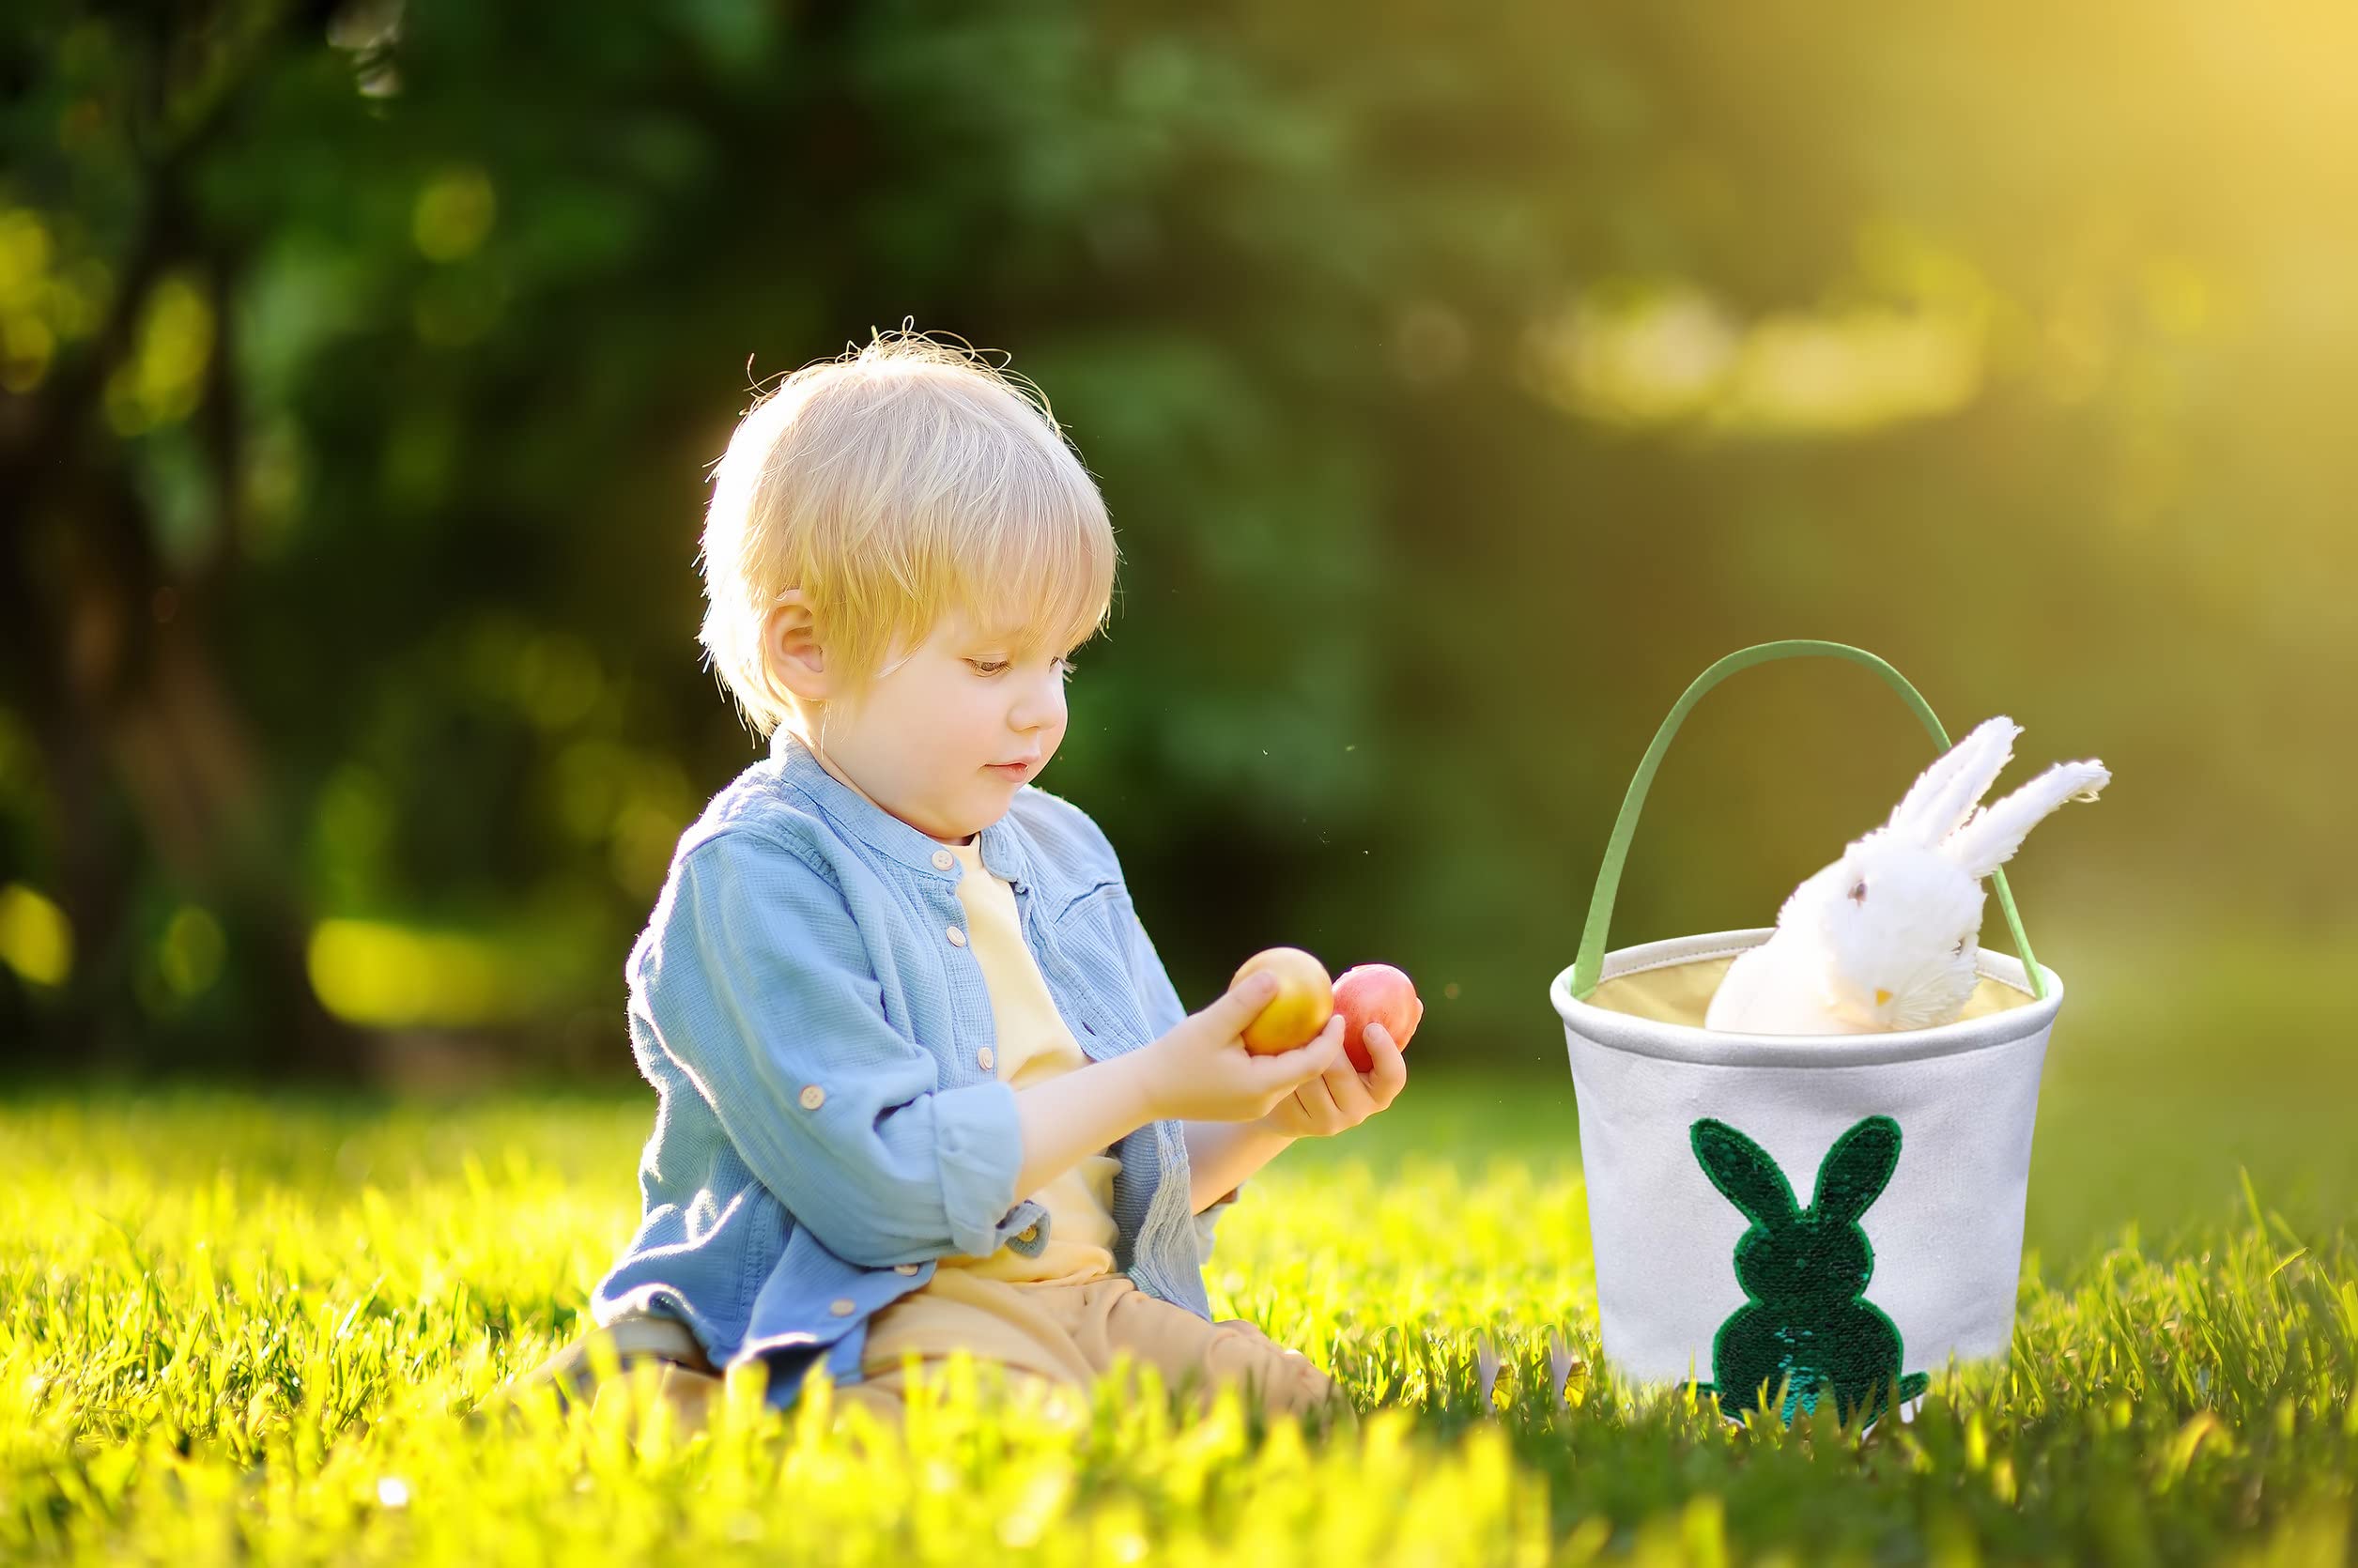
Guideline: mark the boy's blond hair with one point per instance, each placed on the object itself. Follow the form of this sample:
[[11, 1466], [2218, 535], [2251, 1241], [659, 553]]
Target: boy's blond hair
[[899, 481]]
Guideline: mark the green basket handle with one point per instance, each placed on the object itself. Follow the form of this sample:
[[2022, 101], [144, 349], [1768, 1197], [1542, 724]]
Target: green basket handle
[[1590, 965]]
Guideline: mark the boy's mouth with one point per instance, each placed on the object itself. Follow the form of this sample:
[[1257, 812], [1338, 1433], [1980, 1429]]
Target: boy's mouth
[[1015, 770]]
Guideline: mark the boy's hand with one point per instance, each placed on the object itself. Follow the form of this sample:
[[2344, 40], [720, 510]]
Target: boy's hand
[[1344, 1096], [1201, 1070]]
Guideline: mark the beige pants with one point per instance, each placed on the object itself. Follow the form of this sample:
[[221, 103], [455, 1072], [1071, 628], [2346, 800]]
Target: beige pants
[[1056, 1338], [1061, 1338]]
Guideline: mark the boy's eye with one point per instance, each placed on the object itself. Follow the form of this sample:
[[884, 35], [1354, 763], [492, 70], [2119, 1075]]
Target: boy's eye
[[991, 666]]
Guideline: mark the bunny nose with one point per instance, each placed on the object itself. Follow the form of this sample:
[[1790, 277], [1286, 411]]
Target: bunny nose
[[1882, 996]]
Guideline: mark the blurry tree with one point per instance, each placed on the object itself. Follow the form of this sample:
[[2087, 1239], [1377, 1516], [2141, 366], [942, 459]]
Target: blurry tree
[[1462, 380]]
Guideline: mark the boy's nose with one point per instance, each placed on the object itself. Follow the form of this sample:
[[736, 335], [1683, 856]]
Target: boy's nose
[[1031, 720], [1039, 708]]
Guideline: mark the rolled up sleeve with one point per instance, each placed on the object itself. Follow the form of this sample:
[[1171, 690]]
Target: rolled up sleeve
[[1164, 1012], [758, 982]]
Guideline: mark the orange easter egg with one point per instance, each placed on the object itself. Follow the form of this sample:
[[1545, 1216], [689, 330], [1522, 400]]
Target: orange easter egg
[[1303, 1002]]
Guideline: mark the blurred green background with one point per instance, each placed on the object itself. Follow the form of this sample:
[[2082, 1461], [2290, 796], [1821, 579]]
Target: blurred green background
[[1462, 382]]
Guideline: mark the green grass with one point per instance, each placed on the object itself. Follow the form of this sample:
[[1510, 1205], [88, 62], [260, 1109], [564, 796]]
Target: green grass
[[251, 1330]]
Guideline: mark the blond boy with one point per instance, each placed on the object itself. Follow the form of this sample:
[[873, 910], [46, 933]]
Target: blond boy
[[923, 1083]]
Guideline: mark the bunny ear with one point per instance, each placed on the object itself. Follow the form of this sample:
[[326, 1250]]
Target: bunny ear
[[1854, 1172], [1742, 1170], [1942, 797], [1992, 837]]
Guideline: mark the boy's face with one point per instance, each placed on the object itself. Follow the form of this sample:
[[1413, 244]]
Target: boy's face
[[929, 739]]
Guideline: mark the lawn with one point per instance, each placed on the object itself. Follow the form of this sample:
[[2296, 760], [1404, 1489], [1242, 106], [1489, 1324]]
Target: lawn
[[252, 1328]]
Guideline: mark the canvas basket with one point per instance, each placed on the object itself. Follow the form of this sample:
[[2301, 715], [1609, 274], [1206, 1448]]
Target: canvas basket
[[1947, 1112]]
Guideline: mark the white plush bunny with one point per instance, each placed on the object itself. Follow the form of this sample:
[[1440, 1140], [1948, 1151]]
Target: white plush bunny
[[1885, 938]]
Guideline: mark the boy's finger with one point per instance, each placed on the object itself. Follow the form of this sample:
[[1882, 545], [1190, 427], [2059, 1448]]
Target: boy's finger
[[1310, 1058], [1241, 1004], [1388, 1068], [1349, 1089]]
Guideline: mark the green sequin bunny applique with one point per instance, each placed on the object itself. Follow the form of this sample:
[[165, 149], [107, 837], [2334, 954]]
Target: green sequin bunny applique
[[1806, 1324]]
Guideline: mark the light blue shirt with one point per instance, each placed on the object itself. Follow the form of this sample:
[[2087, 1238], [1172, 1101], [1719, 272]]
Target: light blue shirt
[[815, 1030]]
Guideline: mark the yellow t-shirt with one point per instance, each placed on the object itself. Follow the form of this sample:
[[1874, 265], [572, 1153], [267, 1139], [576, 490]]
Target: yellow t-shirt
[[1033, 1043]]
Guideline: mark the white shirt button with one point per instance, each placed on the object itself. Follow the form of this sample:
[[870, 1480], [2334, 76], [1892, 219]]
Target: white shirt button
[[944, 860], [983, 1058], [813, 1097], [905, 1267], [841, 1306], [957, 937]]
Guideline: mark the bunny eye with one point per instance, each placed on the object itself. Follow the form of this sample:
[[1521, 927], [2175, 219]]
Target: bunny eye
[[1859, 894]]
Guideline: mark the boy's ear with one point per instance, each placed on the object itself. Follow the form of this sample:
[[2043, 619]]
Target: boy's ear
[[790, 646]]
